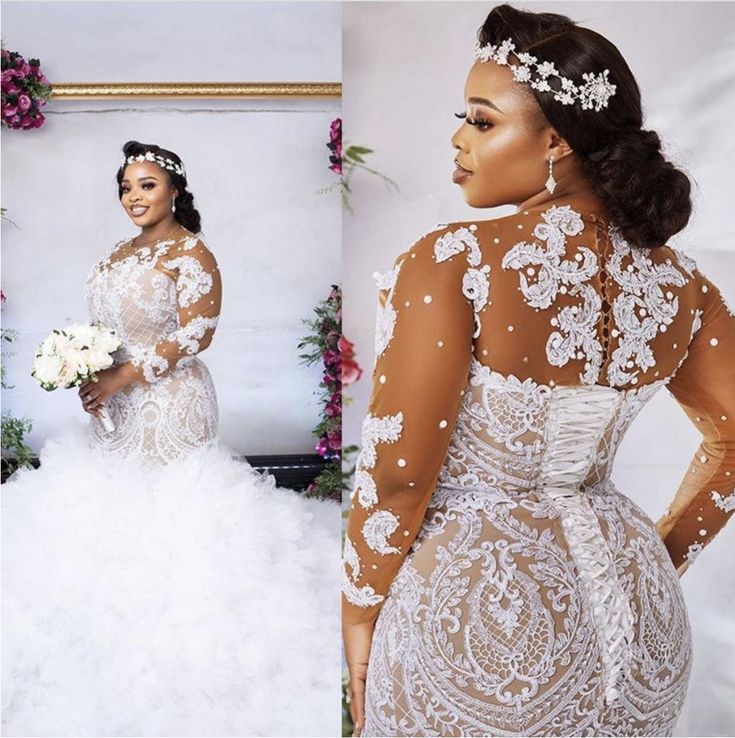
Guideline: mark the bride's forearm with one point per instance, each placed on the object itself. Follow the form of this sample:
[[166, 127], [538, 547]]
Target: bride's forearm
[[129, 373]]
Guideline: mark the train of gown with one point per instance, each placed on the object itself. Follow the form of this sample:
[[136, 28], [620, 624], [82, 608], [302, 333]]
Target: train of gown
[[194, 598]]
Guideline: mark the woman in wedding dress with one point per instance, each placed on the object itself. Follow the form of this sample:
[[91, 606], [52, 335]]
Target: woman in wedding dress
[[152, 584], [495, 580]]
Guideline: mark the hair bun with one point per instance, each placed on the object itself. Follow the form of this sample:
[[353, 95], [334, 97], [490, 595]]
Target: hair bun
[[647, 196]]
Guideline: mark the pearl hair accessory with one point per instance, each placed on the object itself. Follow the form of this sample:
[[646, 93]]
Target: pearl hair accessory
[[595, 91], [162, 161]]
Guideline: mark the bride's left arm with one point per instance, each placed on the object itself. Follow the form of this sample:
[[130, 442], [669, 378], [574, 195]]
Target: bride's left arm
[[199, 298]]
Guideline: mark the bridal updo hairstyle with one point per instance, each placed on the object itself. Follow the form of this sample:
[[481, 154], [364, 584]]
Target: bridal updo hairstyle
[[647, 197], [186, 214]]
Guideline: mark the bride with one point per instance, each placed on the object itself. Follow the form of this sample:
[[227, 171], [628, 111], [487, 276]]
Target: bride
[[497, 582], [151, 584]]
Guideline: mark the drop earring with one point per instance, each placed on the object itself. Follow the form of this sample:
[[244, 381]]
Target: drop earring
[[551, 182], [173, 205]]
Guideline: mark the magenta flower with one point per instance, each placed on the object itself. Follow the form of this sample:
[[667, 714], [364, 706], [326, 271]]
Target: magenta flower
[[331, 357], [334, 406], [24, 91], [334, 440], [321, 447], [335, 146]]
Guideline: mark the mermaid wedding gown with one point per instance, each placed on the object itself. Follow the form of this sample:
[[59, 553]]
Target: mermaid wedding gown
[[151, 584], [515, 591]]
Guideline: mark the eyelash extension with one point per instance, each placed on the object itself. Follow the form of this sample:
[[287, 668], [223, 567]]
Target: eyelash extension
[[481, 123]]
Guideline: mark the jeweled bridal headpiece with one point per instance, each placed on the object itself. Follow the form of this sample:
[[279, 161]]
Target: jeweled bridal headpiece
[[162, 161], [595, 91]]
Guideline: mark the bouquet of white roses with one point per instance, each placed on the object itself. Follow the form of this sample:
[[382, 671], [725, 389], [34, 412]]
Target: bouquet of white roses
[[73, 356]]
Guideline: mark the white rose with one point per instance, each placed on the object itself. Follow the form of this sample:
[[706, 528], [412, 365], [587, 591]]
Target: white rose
[[98, 359], [107, 341], [46, 369], [53, 344], [78, 361], [81, 334], [67, 376]]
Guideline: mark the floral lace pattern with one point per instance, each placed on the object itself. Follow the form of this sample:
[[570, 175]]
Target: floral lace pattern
[[575, 335], [360, 596], [726, 504], [386, 429], [514, 590], [495, 624], [163, 302], [642, 285], [385, 319], [476, 282], [193, 282]]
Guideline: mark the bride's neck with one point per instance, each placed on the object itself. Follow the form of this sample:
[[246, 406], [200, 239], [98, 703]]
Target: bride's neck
[[160, 230]]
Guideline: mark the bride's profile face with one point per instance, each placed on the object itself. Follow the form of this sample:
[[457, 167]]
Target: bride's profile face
[[503, 143], [147, 193]]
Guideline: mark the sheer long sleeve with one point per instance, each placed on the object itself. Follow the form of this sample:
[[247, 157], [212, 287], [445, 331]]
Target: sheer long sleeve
[[423, 347], [704, 386], [199, 299]]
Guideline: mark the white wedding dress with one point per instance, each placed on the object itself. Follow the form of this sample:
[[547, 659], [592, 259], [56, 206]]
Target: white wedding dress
[[515, 590], [152, 584]]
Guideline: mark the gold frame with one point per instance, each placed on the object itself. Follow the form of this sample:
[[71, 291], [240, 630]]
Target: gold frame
[[188, 90]]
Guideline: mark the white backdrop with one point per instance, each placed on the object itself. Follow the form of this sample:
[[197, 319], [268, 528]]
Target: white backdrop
[[254, 168], [404, 70]]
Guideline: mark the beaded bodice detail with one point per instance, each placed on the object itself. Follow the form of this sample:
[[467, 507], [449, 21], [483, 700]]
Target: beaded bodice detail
[[163, 300], [515, 589]]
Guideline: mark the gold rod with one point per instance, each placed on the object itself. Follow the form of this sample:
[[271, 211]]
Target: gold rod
[[181, 90]]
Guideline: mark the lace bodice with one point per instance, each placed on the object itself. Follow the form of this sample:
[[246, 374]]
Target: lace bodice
[[511, 357], [163, 300]]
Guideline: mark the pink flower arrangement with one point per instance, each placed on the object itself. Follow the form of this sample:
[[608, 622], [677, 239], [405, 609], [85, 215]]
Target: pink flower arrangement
[[335, 146], [25, 91], [351, 370]]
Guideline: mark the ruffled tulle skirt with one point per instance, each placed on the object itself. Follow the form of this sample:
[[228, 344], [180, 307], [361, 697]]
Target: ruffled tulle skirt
[[190, 599]]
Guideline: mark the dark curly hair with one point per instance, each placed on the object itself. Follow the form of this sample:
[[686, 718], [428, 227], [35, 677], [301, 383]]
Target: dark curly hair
[[186, 213], [647, 197]]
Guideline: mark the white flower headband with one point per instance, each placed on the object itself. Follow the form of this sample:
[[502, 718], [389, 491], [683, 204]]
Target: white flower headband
[[162, 161], [595, 91]]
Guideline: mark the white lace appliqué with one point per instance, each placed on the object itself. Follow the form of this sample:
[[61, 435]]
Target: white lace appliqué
[[154, 365], [175, 409], [385, 319], [536, 599], [574, 337], [188, 336], [726, 504], [641, 310], [693, 552], [376, 530], [361, 596], [475, 282], [193, 281], [685, 262], [375, 429]]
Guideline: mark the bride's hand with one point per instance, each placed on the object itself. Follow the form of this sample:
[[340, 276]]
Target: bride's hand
[[109, 381], [357, 640]]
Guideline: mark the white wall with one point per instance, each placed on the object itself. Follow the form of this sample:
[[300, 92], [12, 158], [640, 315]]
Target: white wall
[[253, 166], [404, 69]]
